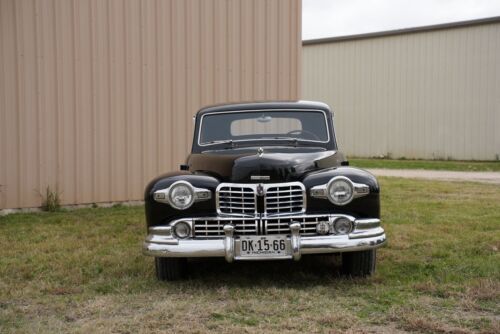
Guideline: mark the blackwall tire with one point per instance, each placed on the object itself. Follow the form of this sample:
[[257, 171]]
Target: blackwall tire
[[359, 264], [170, 269]]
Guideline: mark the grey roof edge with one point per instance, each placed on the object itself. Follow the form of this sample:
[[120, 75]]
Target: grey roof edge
[[272, 104], [450, 25]]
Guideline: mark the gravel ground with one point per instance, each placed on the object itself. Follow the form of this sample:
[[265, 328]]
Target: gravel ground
[[482, 177]]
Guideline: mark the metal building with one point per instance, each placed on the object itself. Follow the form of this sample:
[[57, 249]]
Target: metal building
[[430, 92], [97, 97]]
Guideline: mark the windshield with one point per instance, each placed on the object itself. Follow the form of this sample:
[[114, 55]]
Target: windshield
[[263, 125]]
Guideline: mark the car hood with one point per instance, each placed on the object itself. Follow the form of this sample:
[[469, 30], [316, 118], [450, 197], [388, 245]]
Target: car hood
[[264, 167]]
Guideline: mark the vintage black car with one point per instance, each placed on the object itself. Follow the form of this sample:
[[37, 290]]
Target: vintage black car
[[264, 181]]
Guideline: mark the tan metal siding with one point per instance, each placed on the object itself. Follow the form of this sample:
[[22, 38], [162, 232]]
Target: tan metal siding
[[431, 94], [97, 97]]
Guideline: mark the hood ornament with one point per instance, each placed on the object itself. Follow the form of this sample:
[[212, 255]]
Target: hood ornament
[[260, 151], [260, 190]]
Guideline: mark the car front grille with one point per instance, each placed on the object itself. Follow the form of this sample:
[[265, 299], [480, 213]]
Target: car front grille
[[281, 199], [241, 200], [213, 228], [238, 200]]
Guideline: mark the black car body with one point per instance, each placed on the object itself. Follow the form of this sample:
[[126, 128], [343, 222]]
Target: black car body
[[263, 181]]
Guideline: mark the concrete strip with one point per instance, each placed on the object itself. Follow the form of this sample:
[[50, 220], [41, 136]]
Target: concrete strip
[[442, 175]]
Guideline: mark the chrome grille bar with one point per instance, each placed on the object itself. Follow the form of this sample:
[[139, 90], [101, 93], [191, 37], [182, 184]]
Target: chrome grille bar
[[236, 199], [240, 199], [208, 228], [213, 228], [285, 198]]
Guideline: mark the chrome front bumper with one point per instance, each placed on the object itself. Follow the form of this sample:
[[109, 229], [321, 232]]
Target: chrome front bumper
[[367, 234]]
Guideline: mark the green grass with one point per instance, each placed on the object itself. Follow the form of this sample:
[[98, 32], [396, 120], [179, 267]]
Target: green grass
[[82, 271], [470, 166]]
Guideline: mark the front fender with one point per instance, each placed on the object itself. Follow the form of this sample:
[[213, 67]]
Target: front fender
[[367, 206], [161, 213]]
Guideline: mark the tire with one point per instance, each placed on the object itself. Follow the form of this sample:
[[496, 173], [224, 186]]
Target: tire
[[170, 269], [359, 264]]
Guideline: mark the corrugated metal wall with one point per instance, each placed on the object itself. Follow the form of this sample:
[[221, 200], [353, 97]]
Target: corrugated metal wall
[[431, 94], [97, 97]]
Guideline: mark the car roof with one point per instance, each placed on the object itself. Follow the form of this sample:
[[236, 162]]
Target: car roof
[[275, 105]]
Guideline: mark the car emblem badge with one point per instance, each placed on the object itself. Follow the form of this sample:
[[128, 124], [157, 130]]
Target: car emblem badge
[[260, 151], [260, 177], [260, 190]]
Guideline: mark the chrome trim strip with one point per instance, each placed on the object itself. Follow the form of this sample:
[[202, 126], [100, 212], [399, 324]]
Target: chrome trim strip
[[260, 177], [292, 216], [259, 110], [359, 234], [338, 244], [161, 230], [161, 239], [186, 248], [165, 230], [363, 224]]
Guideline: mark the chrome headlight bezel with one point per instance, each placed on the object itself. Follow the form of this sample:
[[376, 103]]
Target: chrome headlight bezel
[[172, 199], [177, 225], [331, 184], [338, 221], [323, 190], [197, 194]]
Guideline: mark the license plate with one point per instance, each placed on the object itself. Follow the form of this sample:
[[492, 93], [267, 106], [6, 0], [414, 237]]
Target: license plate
[[264, 246]]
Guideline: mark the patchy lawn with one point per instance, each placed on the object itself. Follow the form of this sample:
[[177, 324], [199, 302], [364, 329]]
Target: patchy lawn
[[468, 166], [82, 271]]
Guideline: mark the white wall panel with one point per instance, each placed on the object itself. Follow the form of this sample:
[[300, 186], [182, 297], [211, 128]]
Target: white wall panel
[[431, 94], [97, 97]]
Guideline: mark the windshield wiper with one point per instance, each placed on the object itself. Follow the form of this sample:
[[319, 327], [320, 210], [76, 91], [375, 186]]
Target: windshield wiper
[[292, 139], [289, 138]]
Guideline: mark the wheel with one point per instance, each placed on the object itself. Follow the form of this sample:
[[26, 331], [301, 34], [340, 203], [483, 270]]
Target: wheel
[[170, 269], [359, 264]]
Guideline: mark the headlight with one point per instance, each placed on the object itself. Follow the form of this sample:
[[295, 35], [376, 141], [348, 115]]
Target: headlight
[[181, 195], [340, 190], [342, 226], [182, 230]]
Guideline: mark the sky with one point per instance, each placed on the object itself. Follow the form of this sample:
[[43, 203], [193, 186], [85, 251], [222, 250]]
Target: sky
[[330, 18]]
